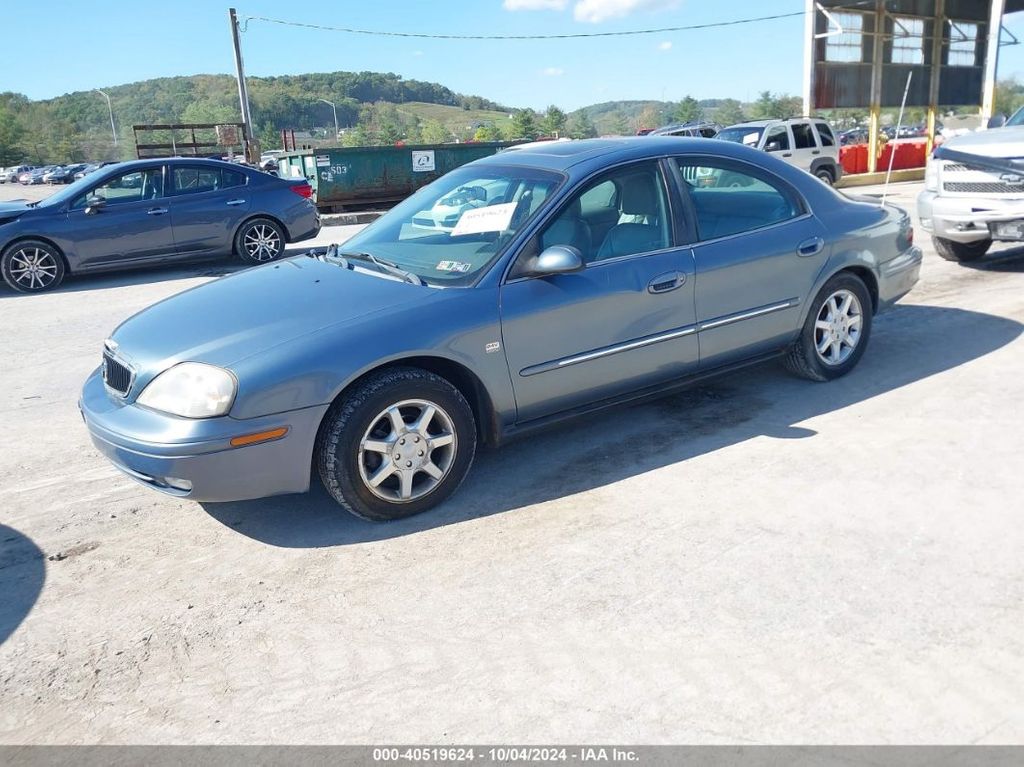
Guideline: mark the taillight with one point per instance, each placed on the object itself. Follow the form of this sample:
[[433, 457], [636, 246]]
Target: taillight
[[302, 190], [910, 235]]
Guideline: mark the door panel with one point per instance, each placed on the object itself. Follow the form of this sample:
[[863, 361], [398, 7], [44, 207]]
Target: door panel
[[206, 214], [576, 338]]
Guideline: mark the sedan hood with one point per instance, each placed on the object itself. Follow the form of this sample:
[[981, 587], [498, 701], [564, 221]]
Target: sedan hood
[[12, 210], [235, 317]]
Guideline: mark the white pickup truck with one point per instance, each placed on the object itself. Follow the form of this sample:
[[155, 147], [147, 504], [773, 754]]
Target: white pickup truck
[[974, 193]]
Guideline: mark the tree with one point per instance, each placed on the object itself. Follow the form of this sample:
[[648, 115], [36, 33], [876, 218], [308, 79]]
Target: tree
[[688, 110], [487, 133], [554, 120], [433, 132], [617, 123], [648, 119], [581, 126], [523, 125], [11, 135], [729, 112], [770, 105]]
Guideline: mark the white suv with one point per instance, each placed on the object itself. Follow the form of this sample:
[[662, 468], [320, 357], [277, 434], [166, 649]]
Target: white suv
[[808, 143]]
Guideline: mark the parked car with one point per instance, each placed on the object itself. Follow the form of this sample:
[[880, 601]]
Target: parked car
[[153, 212], [853, 136], [35, 176], [586, 282], [974, 193], [693, 129], [808, 143], [12, 174], [91, 168], [63, 174]]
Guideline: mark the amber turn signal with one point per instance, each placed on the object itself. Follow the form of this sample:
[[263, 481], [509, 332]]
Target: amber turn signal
[[260, 436]]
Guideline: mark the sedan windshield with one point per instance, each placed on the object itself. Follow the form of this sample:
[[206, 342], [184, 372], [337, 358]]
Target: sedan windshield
[[746, 135], [450, 231]]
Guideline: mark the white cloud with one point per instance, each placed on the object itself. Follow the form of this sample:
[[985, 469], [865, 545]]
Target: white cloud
[[665, 46], [596, 11], [534, 5], [553, 72]]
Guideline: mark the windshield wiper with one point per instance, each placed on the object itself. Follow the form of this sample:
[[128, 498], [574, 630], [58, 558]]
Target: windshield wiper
[[385, 266]]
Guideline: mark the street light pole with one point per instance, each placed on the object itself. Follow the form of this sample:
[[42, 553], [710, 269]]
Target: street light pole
[[110, 110], [335, 116]]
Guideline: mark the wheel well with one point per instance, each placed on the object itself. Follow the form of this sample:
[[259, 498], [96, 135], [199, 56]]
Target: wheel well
[[870, 282], [461, 377], [253, 217], [51, 243]]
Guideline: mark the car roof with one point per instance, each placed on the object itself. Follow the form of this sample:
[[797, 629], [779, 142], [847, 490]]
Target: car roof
[[175, 161]]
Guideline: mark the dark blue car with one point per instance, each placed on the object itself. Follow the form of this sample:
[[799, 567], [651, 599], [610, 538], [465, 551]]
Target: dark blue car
[[151, 212]]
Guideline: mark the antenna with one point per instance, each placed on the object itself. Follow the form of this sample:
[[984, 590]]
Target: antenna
[[899, 124]]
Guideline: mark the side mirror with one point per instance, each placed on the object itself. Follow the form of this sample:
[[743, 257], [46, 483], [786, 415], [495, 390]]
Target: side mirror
[[772, 146], [94, 205], [997, 121], [557, 259]]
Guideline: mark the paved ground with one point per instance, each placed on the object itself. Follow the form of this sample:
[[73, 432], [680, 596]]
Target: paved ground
[[758, 560]]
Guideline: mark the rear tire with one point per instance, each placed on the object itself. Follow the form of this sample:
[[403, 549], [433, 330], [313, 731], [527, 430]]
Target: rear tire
[[259, 241], [961, 251], [836, 330], [399, 443], [32, 266]]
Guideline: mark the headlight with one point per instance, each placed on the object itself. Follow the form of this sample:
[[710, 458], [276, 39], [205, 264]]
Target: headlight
[[191, 390], [931, 175]]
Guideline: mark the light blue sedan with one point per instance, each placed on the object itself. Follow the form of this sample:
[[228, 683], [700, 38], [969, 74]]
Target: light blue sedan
[[586, 274]]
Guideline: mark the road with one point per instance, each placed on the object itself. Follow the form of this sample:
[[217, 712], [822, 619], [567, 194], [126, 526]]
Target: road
[[758, 560]]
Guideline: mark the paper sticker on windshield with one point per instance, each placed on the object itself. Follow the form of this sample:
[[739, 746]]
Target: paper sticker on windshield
[[751, 138], [453, 266], [493, 218]]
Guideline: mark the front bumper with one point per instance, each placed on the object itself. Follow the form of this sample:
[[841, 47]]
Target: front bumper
[[193, 458], [965, 219], [898, 276]]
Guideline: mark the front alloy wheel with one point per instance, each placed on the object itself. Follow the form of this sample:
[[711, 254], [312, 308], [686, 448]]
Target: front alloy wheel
[[32, 266], [397, 443]]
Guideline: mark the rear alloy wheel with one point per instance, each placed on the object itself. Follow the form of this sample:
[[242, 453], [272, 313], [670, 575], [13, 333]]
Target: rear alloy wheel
[[835, 332], [961, 251], [259, 241], [399, 443], [32, 266], [825, 175]]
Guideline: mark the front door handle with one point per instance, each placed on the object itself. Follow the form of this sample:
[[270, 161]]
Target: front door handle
[[235, 202], [156, 211], [810, 247], [666, 282], [815, 151], [787, 154]]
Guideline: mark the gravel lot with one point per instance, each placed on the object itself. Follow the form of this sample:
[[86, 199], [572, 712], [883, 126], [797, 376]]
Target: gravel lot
[[760, 560]]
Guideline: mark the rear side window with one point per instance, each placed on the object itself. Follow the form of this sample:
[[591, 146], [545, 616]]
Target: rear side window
[[803, 136], [195, 179], [825, 133], [230, 178], [731, 199]]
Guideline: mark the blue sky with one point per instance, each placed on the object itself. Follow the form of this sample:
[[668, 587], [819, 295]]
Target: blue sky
[[90, 45]]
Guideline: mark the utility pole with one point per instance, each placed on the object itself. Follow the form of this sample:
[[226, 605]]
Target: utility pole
[[110, 111], [243, 91], [335, 108]]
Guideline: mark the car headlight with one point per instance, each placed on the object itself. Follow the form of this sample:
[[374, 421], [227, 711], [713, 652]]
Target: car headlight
[[931, 175], [191, 390]]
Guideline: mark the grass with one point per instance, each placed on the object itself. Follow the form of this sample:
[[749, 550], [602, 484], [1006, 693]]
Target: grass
[[453, 118]]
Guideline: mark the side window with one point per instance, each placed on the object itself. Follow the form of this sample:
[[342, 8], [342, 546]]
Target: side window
[[825, 133], [193, 179], [733, 199], [133, 186], [230, 178], [620, 214], [803, 136], [777, 135]]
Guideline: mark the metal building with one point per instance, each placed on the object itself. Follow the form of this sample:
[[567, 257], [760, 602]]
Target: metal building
[[858, 53]]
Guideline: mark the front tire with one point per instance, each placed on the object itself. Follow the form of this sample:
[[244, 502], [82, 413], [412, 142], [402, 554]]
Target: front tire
[[835, 332], [961, 251], [32, 266], [399, 443], [825, 176], [259, 241]]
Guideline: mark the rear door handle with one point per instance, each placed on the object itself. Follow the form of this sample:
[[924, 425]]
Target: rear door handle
[[811, 247], [156, 211], [664, 283], [235, 202]]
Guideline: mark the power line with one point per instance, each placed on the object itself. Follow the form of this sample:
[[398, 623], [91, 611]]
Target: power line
[[424, 35]]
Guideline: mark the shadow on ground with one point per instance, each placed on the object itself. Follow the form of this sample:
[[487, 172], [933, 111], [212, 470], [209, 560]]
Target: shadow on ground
[[22, 573], [908, 344], [218, 267], [1005, 260]]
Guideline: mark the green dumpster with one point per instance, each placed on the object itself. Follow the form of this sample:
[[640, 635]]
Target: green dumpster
[[357, 176]]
